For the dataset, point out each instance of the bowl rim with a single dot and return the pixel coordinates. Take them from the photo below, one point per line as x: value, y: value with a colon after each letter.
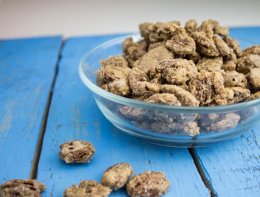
x: 137, y: 103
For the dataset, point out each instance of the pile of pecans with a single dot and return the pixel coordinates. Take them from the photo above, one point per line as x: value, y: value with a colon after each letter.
x: 182, y: 66
x: 203, y: 62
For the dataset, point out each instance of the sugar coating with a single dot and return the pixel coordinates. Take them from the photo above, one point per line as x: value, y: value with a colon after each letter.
x: 235, y: 79
x: 205, y: 45
x: 221, y: 45
x: 254, y: 77
x: 140, y: 85
x: 77, y: 151
x: 152, y: 58
x: 177, y: 71
x: 148, y: 184
x: 164, y: 98
x: 246, y: 62
x: 114, y: 79
x: 87, y: 188
x: 22, y: 187
x: 181, y: 44
x: 206, y: 86
x: 233, y: 44
x: 254, y: 96
x: 184, y: 96
x: 210, y: 64
x: 116, y: 176
x: 133, y: 50
x: 191, y: 26
x: 232, y: 95
x: 118, y: 61
x: 229, y: 62
x: 251, y: 50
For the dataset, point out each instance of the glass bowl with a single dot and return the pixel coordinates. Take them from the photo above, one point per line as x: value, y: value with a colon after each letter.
x: 163, y: 124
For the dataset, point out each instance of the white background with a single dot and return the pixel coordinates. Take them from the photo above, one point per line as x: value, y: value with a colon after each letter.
x: 24, y: 18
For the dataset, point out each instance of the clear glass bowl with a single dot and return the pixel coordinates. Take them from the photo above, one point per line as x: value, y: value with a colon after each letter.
x: 163, y: 124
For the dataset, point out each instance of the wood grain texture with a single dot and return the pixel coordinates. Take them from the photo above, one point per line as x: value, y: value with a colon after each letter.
x: 26, y: 72
x: 233, y: 167
x: 74, y: 115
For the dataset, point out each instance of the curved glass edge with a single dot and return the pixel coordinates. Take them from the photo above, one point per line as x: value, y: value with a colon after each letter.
x: 136, y: 103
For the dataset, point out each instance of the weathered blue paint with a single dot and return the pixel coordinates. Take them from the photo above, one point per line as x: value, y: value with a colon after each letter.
x: 74, y: 115
x: 233, y: 167
x: 26, y: 72
x: 246, y: 33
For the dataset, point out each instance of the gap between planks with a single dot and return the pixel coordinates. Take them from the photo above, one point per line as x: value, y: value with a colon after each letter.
x: 38, y: 149
x: 202, y: 172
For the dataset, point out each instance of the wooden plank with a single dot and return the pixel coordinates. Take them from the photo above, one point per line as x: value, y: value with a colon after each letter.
x: 246, y: 33
x: 233, y: 168
x: 74, y: 115
x: 27, y: 68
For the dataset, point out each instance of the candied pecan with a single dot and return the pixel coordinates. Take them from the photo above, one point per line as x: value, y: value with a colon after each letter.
x: 117, y: 61
x: 119, y: 87
x: 177, y: 71
x: 233, y: 44
x: 190, y: 26
x: 114, y: 79
x: 117, y: 175
x: 152, y: 58
x: 222, y: 31
x: 21, y: 188
x: 229, y: 62
x: 181, y: 44
x: 254, y: 96
x: 202, y: 90
x: 148, y: 184
x: 245, y: 63
x: 251, y: 50
x: 221, y: 45
x: 164, y: 31
x: 107, y: 74
x: 134, y: 50
x: 139, y: 83
x: 235, y: 79
x: 164, y: 98
x: 205, y: 45
x: 207, y: 27
x: 178, y: 23
x: 219, y: 122
x: 254, y: 77
x: 144, y: 29
x: 210, y: 64
x: 190, y: 128
x: 206, y: 85
x: 77, y: 151
x: 185, y: 97
x: 232, y: 95
x: 87, y: 188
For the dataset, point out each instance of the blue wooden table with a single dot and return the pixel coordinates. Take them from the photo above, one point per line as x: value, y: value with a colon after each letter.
x: 43, y: 103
